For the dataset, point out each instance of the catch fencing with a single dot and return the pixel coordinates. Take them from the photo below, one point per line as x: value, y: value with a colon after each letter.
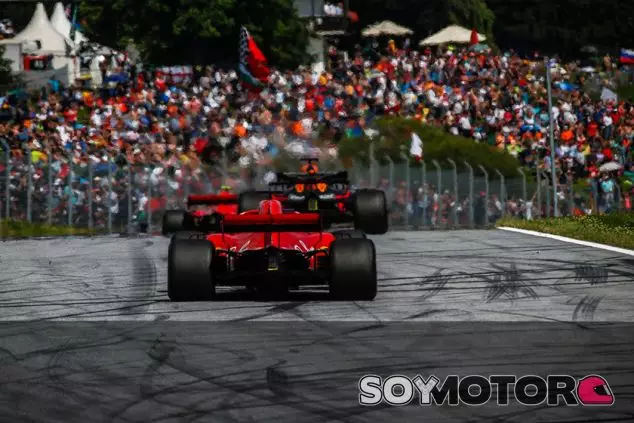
x: 109, y: 194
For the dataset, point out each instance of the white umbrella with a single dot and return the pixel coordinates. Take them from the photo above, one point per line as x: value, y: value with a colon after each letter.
x: 610, y: 167
x: 452, y: 34
x: 386, y: 28
x: 609, y: 95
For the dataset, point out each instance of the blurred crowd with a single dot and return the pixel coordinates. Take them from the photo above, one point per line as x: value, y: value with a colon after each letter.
x: 210, y: 131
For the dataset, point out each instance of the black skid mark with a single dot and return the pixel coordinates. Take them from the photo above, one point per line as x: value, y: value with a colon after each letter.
x: 595, y: 275
x: 508, y: 283
x: 586, y: 307
x: 434, y: 283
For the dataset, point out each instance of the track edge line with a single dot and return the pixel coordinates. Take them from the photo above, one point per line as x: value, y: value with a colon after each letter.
x: 569, y: 240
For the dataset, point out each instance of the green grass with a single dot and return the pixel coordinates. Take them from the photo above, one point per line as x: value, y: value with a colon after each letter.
x: 615, y: 229
x: 19, y: 229
x: 438, y: 144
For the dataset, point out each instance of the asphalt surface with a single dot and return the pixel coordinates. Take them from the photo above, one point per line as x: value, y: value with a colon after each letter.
x: 87, y: 332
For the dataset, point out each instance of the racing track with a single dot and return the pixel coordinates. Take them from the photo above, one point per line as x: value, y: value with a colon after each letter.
x: 87, y: 332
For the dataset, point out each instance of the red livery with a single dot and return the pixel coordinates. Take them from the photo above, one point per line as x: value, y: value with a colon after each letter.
x: 268, y: 248
x: 223, y: 203
x: 175, y: 221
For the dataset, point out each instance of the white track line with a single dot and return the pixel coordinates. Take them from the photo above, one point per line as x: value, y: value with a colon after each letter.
x: 570, y: 240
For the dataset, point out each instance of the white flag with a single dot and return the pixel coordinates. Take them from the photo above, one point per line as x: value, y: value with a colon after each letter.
x: 416, y: 147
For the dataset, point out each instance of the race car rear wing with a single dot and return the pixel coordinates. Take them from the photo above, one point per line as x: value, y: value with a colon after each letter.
x: 305, y: 222
x: 296, y: 177
x: 211, y: 200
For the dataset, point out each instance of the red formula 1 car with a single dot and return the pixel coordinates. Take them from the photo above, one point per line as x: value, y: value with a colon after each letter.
x: 267, y: 248
x: 325, y: 192
x: 185, y: 221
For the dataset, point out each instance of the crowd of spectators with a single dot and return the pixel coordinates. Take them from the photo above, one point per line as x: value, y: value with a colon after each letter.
x: 331, y: 9
x: 211, y: 131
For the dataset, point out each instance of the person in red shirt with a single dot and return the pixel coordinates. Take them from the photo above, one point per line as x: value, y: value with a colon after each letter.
x: 593, y: 129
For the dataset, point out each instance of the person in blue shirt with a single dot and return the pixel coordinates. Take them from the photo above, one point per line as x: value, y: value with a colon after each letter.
x: 608, y: 191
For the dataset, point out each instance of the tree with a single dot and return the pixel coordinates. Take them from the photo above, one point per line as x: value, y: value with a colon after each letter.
x: 178, y: 32
x: 7, y: 78
x: 563, y: 27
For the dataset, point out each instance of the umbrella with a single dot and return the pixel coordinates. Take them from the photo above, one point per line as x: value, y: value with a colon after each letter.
x: 117, y: 78
x: 451, y: 34
x: 608, y: 95
x: 479, y: 48
x: 385, y: 28
x: 610, y: 167
x: 567, y: 86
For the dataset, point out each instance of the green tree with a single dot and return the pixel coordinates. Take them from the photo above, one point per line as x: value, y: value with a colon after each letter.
x: 563, y: 27
x: 7, y: 78
x: 198, y: 31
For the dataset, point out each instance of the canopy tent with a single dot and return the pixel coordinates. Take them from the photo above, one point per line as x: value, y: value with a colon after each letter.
x: 40, y: 29
x: 385, y: 28
x: 61, y: 23
x: 452, y: 34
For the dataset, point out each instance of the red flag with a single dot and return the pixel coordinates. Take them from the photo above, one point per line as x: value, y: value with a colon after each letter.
x: 474, y: 37
x: 353, y: 16
x: 251, y: 58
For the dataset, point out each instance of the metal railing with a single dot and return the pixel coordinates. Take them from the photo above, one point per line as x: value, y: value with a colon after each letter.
x: 113, y: 195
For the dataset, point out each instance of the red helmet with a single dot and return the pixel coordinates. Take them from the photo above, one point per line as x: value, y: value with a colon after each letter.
x: 594, y: 390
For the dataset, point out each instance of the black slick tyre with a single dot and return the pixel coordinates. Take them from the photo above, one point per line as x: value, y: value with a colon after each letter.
x: 174, y: 221
x: 250, y: 200
x: 353, y: 270
x: 349, y: 234
x: 189, y: 276
x: 189, y: 235
x: 370, y: 211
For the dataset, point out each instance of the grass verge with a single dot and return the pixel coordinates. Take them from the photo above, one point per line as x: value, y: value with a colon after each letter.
x: 615, y: 229
x: 19, y: 229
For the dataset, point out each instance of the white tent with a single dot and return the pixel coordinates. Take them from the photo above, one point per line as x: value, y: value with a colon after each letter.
x: 51, y: 42
x: 40, y: 29
x: 61, y: 23
x: 451, y: 34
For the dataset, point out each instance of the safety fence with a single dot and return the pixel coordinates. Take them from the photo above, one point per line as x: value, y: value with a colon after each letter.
x: 109, y: 194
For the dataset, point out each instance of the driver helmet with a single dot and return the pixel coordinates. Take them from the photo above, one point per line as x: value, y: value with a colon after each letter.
x: 310, y: 168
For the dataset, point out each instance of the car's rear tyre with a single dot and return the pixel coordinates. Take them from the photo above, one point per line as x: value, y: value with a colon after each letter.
x: 349, y: 234
x: 189, y: 275
x: 189, y: 235
x: 353, y: 270
x: 370, y: 211
x: 174, y: 221
x: 250, y: 200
